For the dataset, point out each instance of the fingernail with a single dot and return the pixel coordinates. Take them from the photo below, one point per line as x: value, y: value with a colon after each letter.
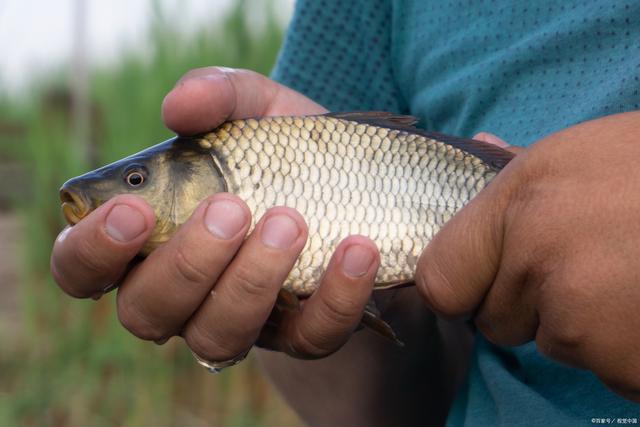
x: 357, y: 260
x: 161, y: 341
x: 125, y: 223
x: 491, y: 139
x: 63, y: 234
x: 224, y: 218
x: 97, y: 296
x: 279, y: 231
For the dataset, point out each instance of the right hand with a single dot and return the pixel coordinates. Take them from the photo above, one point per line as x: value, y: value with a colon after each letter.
x: 208, y: 284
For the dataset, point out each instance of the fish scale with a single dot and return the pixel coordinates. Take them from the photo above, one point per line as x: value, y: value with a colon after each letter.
x: 346, y: 177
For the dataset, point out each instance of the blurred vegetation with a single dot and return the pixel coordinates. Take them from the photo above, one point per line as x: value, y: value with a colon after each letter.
x: 69, y: 362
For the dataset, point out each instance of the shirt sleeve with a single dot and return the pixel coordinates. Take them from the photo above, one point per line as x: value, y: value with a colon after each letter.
x: 338, y: 54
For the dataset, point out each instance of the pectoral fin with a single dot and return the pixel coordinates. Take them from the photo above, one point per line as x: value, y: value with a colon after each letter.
x: 372, y: 320
x: 395, y: 284
x: 287, y: 301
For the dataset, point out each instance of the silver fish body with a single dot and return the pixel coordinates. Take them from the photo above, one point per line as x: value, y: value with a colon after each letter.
x: 355, y: 173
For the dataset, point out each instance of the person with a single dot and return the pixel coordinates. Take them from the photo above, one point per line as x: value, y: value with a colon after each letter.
x: 543, y: 263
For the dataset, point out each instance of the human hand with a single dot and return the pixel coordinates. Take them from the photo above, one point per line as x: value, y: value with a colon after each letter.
x: 549, y: 252
x: 208, y: 284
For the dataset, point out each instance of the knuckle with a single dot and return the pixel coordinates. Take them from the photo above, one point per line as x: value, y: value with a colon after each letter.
x: 207, y: 345
x: 89, y: 259
x: 133, y: 321
x: 188, y: 270
x: 564, y: 344
x: 340, y: 310
x: 567, y: 337
x: 563, y: 327
x: 308, y: 344
x: 436, y: 289
x: 248, y: 284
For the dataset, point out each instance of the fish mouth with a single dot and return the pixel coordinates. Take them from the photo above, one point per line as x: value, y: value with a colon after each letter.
x: 74, y: 206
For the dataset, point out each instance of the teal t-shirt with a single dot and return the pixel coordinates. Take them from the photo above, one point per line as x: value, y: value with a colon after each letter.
x: 519, y: 69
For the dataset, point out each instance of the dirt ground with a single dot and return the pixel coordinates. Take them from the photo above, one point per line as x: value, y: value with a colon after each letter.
x: 10, y: 248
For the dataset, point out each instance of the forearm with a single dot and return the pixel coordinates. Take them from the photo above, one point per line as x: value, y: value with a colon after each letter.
x: 371, y: 382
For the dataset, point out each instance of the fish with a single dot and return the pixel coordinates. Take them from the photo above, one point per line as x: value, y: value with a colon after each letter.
x: 369, y: 173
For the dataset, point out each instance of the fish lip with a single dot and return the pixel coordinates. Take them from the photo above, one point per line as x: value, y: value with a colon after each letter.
x: 74, y: 206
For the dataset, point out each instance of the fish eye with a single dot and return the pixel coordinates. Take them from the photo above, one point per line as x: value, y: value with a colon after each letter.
x: 135, y: 177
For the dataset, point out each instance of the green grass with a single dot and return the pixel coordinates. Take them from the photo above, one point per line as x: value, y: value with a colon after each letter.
x: 72, y: 364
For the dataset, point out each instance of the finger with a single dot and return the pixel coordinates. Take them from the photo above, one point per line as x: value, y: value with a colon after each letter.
x: 331, y: 314
x: 459, y: 265
x: 163, y: 292
x: 229, y: 320
x: 205, y: 97
x: 94, y: 253
x: 508, y: 315
x: 493, y: 139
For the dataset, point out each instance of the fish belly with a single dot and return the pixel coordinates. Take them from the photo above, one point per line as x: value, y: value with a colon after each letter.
x: 395, y: 187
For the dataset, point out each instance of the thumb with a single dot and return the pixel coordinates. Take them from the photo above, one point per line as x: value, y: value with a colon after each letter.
x: 459, y: 265
x: 206, y: 97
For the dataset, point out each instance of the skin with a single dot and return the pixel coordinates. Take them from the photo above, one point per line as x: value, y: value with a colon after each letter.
x: 549, y: 252
x: 515, y: 256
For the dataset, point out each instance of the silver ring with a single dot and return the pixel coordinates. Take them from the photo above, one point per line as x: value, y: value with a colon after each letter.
x: 217, y: 367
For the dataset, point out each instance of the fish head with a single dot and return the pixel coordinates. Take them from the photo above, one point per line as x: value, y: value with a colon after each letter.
x: 173, y: 177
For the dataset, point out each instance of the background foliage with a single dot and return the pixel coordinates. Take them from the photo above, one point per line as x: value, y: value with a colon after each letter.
x: 67, y: 362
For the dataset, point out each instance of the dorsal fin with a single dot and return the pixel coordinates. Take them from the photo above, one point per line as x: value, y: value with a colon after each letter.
x: 492, y: 155
x: 377, y: 118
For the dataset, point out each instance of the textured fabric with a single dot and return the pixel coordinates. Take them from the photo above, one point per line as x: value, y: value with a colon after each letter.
x: 519, y: 69
x: 339, y: 53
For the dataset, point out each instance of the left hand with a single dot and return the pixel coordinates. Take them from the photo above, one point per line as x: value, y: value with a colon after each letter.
x: 211, y: 283
x: 550, y: 252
